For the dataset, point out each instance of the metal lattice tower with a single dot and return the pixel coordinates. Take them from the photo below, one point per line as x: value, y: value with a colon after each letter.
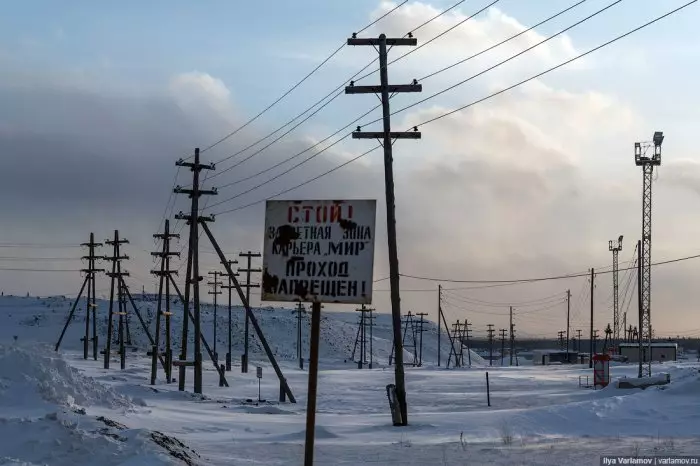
x: 647, y: 163
x: 615, y: 248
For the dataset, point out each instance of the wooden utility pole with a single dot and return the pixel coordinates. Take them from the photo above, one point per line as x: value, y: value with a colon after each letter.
x: 216, y: 284
x: 312, y: 384
x: 229, y: 287
x: 490, y: 331
x: 467, y: 332
x: 590, y: 361
x: 503, y: 343
x: 116, y: 276
x: 371, y: 336
x: 439, y: 348
x: 193, y: 278
x: 512, y: 336
x: 387, y: 137
x: 421, y: 330
x: 248, y: 285
x: 300, y: 353
x: 568, y: 312
x: 457, y: 333
x: 578, y: 339
x: 90, y: 303
x: 163, y: 275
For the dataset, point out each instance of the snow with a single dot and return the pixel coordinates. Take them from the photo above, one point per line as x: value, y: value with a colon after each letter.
x: 57, y: 408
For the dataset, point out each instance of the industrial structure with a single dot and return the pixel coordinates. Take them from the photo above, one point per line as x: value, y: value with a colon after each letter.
x: 647, y: 162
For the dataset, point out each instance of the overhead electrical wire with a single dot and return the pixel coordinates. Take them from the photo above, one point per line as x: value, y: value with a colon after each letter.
x: 7, y: 269
x: 39, y: 245
x: 337, y: 91
x: 41, y: 259
x: 490, y: 96
x: 285, y: 94
x: 536, y: 302
x: 353, y: 122
x: 291, y: 89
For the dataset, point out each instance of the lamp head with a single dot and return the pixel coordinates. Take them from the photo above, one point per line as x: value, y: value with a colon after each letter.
x: 658, y: 138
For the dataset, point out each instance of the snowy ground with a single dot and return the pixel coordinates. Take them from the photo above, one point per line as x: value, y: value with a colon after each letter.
x: 60, y: 409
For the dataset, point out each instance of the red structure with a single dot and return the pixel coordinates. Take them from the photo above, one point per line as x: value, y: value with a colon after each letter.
x: 601, y: 370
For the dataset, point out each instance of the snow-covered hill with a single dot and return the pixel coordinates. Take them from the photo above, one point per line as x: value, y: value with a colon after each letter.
x: 42, y: 319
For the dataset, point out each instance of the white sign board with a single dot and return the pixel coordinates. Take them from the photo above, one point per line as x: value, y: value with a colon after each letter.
x: 319, y: 251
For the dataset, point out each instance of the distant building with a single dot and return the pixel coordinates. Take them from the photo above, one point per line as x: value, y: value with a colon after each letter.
x: 547, y: 357
x: 660, y: 352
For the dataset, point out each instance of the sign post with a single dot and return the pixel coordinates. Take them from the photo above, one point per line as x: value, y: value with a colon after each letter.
x: 258, y: 373
x: 318, y: 251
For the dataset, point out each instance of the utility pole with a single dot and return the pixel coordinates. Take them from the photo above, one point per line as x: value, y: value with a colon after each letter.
x: 371, y: 336
x: 590, y: 360
x: 504, y: 332
x: 215, y: 291
x: 193, y: 278
x: 468, y: 332
x: 91, y: 301
x: 439, y: 348
x: 608, y: 338
x: 578, y: 340
x: 115, y: 276
x: 560, y: 337
x: 615, y: 248
x: 624, y: 325
x: 229, y: 287
x: 300, y: 354
x: 512, y: 337
x: 647, y: 163
x: 90, y: 305
x: 248, y: 285
x: 490, y: 333
x: 457, y: 332
x: 595, y: 341
x: 568, y: 312
x: 387, y: 137
x: 360, y: 338
x: 164, y: 275
x: 420, y: 329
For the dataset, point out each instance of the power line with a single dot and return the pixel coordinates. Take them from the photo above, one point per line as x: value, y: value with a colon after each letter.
x: 39, y: 245
x: 539, y: 279
x: 334, y: 91
x: 291, y: 89
x: 512, y: 57
x: 533, y: 302
x: 442, y: 70
x: 288, y: 159
x: 4, y: 269
x: 30, y: 259
x: 490, y: 96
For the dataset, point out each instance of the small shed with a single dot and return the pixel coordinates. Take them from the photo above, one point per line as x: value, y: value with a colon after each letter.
x: 660, y: 352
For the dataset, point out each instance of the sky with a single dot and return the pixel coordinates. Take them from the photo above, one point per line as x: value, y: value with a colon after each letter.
x: 98, y: 100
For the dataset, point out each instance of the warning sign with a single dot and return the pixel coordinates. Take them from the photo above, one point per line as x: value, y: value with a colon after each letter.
x: 319, y: 251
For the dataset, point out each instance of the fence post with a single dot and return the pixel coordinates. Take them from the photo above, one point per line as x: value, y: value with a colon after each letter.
x: 488, y: 390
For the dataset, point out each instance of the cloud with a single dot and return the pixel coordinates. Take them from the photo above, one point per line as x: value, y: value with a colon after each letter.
x: 517, y: 186
x: 468, y: 38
